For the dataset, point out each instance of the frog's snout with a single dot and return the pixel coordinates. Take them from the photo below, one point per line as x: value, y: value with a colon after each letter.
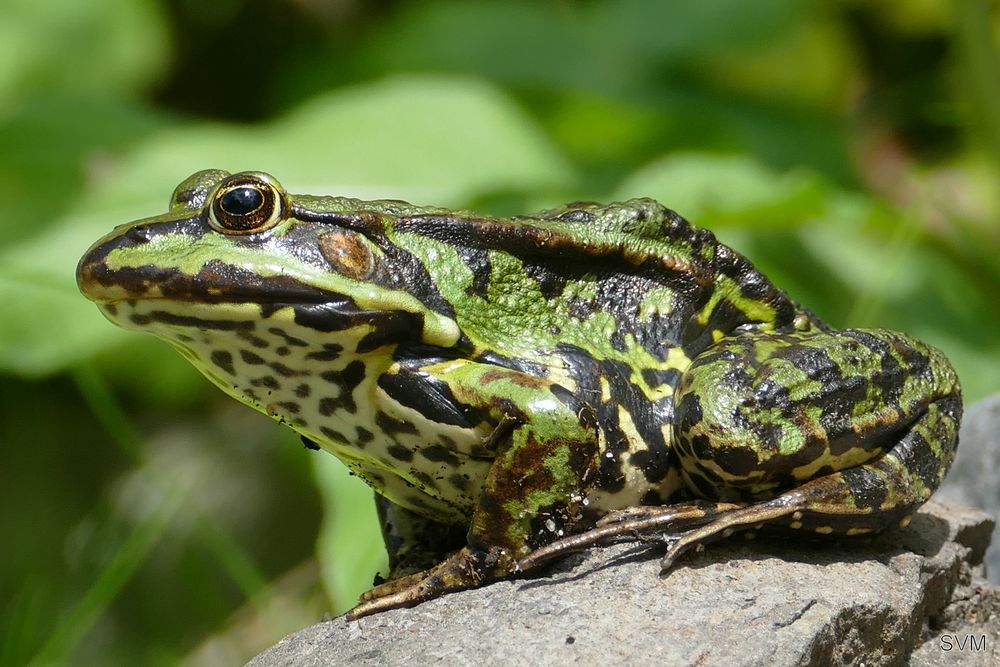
x: 87, y: 271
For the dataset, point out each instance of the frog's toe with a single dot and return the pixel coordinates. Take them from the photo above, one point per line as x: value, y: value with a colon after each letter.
x: 647, y: 517
x: 676, y: 546
x: 394, y: 595
x: 467, y: 568
x: 740, y: 518
x: 653, y: 523
x: 393, y: 586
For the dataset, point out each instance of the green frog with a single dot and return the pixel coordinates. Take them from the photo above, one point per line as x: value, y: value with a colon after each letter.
x: 517, y: 388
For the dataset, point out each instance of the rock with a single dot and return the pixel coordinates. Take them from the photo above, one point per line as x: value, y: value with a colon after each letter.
x: 973, y: 478
x: 773, y: 601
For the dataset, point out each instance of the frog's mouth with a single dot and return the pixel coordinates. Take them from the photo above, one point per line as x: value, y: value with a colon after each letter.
x: 225, y: 297
x: 168, y: 275
x: 115, y: 269
x: 215, y: 282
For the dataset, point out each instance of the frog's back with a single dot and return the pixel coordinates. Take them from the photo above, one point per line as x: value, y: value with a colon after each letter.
x: 631, y: 278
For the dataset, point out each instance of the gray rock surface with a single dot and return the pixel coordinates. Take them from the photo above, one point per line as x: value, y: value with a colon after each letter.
x: 904, y: 597
x: 974, y: 479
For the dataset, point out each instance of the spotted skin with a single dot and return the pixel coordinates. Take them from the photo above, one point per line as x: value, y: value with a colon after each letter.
x: 514, y: 389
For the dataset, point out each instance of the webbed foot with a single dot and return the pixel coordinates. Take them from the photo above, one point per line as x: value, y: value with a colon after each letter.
x: 640, y: 524
x: 466, y: 568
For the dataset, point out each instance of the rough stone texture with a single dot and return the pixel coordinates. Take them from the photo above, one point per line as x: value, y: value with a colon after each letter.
x: 973, y: 479
x: 871, y: 601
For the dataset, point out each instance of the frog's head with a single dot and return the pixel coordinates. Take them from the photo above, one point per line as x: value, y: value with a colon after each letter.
x: 238, y: 256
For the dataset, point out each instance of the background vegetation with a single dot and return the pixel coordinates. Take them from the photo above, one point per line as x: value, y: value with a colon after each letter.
x: 851, y: 149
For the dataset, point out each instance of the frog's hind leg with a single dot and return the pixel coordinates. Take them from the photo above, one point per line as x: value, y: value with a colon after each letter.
x: 843, y: 433
x: 644, y: 523
x: 864, y: 499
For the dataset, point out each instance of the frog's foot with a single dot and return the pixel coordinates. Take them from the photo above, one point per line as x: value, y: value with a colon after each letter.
x: 651, y: 517
x: 727, y: 522
x: 466, y: 568
x: 645, y: 524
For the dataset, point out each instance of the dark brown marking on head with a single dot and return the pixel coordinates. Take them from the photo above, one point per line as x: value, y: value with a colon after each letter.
x: 303, y: 390
x: 216, y: 281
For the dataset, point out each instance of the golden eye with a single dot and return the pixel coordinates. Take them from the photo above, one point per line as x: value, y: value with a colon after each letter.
x: 246, y: 203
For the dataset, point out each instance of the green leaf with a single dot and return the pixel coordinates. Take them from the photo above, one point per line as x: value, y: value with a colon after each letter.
x: 53, y: 148
x: 98, y: 47
x: 611, y: 45
x: 716, y: 190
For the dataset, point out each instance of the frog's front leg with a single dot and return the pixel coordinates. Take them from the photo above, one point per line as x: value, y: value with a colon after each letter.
x: 412, y: 541
x: 535, y: 491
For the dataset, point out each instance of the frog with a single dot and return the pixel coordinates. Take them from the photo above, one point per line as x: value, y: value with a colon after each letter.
x: 515, y: 389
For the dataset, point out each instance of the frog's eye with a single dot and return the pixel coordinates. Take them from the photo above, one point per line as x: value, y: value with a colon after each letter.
x: 246, y: 203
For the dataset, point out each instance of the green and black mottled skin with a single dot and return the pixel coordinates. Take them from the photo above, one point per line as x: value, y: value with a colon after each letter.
x: 517, y: 388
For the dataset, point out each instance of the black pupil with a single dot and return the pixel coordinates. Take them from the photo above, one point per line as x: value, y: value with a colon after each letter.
x: 242, y: 200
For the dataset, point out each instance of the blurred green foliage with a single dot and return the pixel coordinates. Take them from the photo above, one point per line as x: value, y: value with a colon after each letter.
x: 851, y: 149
